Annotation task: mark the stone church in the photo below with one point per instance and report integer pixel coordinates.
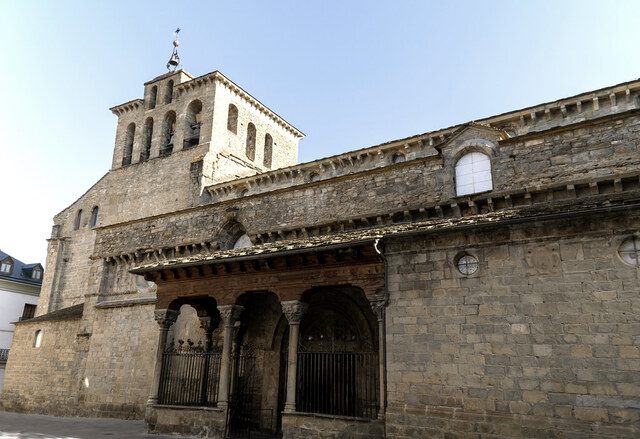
(478, 281)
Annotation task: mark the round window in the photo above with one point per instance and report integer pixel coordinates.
(467, 264)
(629, 251)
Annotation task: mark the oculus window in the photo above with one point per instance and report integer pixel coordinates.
(629, 251)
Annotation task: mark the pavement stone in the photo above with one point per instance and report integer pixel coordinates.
(26, 426)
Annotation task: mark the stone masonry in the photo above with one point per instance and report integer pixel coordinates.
(539, 338)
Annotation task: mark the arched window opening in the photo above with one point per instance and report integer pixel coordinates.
(76, 225)
(337, 347)
(94, 217)
(168, 133)
(38, 339)
(232, 119)
(243, 242)
(153, 96)
(168, 94)
(148, 135)
(193, 123)
(473, 174)
(128, 144)
(251, 142)
(268, 150)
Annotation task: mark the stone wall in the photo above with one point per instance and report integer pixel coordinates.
(44, 379)
(120, 361)
(543, 339)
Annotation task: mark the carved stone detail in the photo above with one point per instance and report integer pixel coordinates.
(378, 307)
(165, 317)
(294, 310)
(230, 313)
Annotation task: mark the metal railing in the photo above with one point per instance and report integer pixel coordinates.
(189, 378)
(337, 383)
(4, 355)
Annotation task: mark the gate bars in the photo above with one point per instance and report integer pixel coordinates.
(189, 375)
(337, 383)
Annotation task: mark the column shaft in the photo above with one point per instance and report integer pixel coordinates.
(165, 319)
(293, 310)
(229, 315)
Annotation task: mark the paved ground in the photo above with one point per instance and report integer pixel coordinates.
(19, 426)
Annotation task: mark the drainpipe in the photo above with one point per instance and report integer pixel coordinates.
(379, 309)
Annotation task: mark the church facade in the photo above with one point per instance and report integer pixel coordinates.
(477, 281)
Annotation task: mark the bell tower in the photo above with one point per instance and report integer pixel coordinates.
(182, 118)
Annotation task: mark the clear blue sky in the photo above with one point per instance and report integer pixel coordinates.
(349, 74)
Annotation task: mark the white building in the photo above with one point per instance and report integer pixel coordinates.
(19, 290)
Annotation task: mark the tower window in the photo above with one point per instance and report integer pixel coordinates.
(473, 174)
(148, 135)
(251, 142)
(153, 96)
(128, 144)
(94, 217)
(168, 133)
(193, 122)
(76, 225)
(168, 94)
(232, 119)
(268, 150)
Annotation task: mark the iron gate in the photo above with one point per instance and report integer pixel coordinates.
(189, 375)
(242, 417)
(337, 383)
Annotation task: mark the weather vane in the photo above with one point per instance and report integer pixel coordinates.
(174, 62)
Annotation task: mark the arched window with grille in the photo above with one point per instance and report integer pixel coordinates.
(268, 150)
(251, 142)
(473, 174)
(232, 119)
(128, 144)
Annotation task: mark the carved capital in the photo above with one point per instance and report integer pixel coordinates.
(294, 310)
(230, 313)
(165, 317)
(378, 307)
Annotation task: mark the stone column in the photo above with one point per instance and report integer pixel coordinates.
(293, 310)
(165, 318)
(378, 307)
(229, 315)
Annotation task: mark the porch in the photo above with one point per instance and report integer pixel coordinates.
(270, 346)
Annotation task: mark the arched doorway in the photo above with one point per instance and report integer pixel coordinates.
(337, 360)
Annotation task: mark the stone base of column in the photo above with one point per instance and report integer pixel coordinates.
(289, 408)
(222, 405)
